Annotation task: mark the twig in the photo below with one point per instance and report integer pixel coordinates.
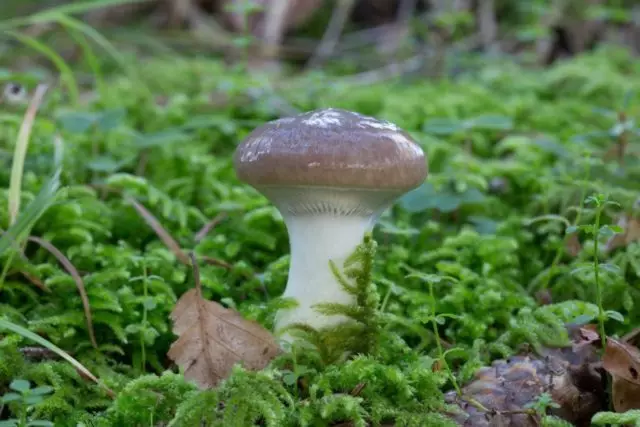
(161, 232)
(206, 28)
(487, 25)
(35, 281)
(392, 70)
(76, 278)
(37, 353)
(31, 278)
(219, 263)
(274, 28)
(400, 28)
(209, 226)
(21, 151)
(179, 11)
(332, 34)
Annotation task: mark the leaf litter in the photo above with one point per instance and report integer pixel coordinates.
(213, 339)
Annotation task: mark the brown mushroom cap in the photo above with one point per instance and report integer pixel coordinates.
(331, 148)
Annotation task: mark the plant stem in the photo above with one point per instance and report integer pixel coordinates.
(144, 318)
(596, 270)
(561, 248)
(441, 356)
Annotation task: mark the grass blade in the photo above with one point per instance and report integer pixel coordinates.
(103, 42)
(66, 74)
(37, 207)
(20, 153)
(5, 324)
(70, 8)
(89, 56)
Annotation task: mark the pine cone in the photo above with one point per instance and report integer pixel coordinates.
(572, 376)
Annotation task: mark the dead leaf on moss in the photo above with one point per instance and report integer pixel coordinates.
(212, 339)
(622, 361)
(589, 333)
(631, 227)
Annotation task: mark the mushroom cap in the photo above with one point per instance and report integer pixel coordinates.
(331, 148)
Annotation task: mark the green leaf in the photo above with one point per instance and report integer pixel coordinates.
(484, 225)
(32, 400)
(77, 121)
(111, 119)
(10, 397)
(20, 385)
(289, 378)
(611, 314)
(32, 213)
(443, 126)
(44, 389)
(616, 228)
(105, 164)
(490, 122)
(583, 319)
(581, 269)
(606, 231)
(430, 278)
(420, 199)
(170, 136)
(149, 303)
(610, 268)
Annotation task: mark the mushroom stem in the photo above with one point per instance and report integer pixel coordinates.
(323, 225)
(315, 240)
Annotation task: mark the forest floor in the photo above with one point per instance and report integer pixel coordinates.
(520, 250)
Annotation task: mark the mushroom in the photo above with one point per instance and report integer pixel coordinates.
(331, 173)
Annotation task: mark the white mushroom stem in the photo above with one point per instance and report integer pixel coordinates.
(323, 225)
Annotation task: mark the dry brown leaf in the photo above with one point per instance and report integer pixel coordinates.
(631, 227)
(589, 333)
(622, 361)
(213, 339)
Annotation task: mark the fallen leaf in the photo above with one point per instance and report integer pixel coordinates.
(212, 339)
(622, 361)
(589, 334)
(626, 395)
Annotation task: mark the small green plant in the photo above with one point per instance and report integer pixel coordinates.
(599, 231)
(628, 418)
(22, 398)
